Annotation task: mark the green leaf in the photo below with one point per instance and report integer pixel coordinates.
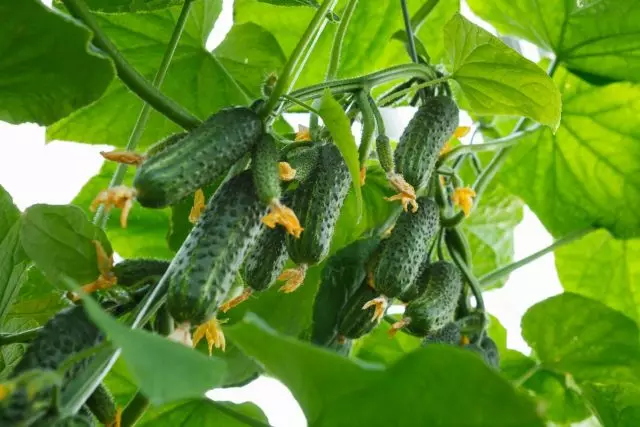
(9, 213)
(589, 166)
(573, 334)
(600, 37)
(430, 31)
(145, 235)
(615, 405)
(203, 412)
(339, 126)
(124, 6)
(48, 70)
(59, 239)
(11, 354)
(379, 347)
(602, 268)
(495, 79)
(185, 373)
(201, 81)
(498, 334)
(120, 383)
(328, 386)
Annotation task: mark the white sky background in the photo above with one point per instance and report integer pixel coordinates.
(33, 172)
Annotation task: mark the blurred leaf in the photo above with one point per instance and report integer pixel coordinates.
(47, 70)
(201, 81)
(120, 383)
(11, 354)
(589, 166)
(59, 239)
(123, 6)
(328, 386)
(573, 334)
(203, 412)
(498, 333)
(145, 235)
(379, 347)
(615, 405)
(601, 37)
(495, 79)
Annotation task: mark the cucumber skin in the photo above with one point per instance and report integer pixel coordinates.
(266, 259)
(264, 167)
(198, 159)
(419, 286)
(137, 271)
(423, 138)
(405, 250)
(213, 252)
(304, 160)
(450, 334)
(487, 350)
(317, 203)
(437, 306)
(165, 144)
(102, 405)
(354, 322)
(341, 277)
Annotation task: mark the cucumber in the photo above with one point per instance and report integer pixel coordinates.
(139, 271)
(406, 249)
(265, 260)
(385, 156)
(425, 135)
(341, 277)
(102, 405)
(207, 264)
(353, 321)
(436, 307)
(199, 158)
(264, 167)
(304, 160)
(450, 334)
(28, 397)
(317, 202)
(417, 288)
(487, 350)
(165, 144)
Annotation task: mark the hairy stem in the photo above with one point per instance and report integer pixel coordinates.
(101, 217)
(421, 15)
(129, 76)
(336, 50)
(507, 269)
(297, 58)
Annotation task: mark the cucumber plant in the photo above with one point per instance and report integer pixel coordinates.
(406, 101)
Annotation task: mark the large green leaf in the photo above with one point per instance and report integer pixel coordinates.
(586, 174)
(600, 267)
(615, 405)
(417, 390)
(47, 70)
(60, 240)
(495, 79)
(9, 213)
(11, 354)
(379, 347)
(123, 6)
(145, 235)
(203, 412)
(573, 334)
(201, 81)
(601, 37)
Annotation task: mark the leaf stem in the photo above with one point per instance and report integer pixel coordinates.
(301, 104)
(19, 337)
(129, 76)
(297, 58)
(492, 145)
(527, 375)
(421, 15)
(400, 93)
(507, 269)
(134, 410)
(474, 284)
(338, 39)
(101, 217)
(411, 42)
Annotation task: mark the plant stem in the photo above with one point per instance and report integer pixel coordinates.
(368, 127)
(399, 94)
(301, 104)
(129, 76)
(409, 31)
(239, 416)
(507, 269)
(380, 127)
(297, 58)
(338, 39)
(525, 377)
(421, 15)
(19, 337)
(100, 217)
(474, 284)
(134, 410)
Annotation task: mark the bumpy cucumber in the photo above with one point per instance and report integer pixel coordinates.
(342, 275)
(198, 159)
(102, 405)
(417, 288)
(81, 419)
(317, 202)
(425, 135)
(385, 156)
(165, 144)
(304, 160)
(405, 250)
(211, 256)
(266, 258)
(139, 271)
(264, 167)
(353, 321)
(450, 334)
(436, 307)
(28, 397)
(488, 350)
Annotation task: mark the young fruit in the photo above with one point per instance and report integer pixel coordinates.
(207, 264)
(304, 160)
(425, 135)
(456, 241)
(177, 171)
(317, 201)
(436, 307)
(404, 252)
(353, 321)
(417, 288)
(102, 405)
(449, 334)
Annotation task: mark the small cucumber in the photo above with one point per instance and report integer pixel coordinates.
(198, 159)
(425, 135)
(264, 167)
(265, 260)
(354, 322)
(488, 350)
(28, 397)
(304, 160)
(102, 405)
(405, 250)
(436, 307)
(139, 271)
(449, 334)
(207, 264)
(418, 287)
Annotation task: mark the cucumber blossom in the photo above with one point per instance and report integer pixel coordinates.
(425, 135)
(436, 307)
(354, 322)
(198, 159)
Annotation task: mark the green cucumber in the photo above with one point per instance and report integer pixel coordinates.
(139, 271)
(450, 334)
(341, 277)
(425, 135)
(165, 144)
(265, 260)
(353, 321)
(304, 160)
(264, 167)
(317, 202)
(487, 350)
(207, 264)
(198, 159)
(417, 288)
(385, 156)
(102, 405)
(406, 249)
(436, 307)
(30, 396)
